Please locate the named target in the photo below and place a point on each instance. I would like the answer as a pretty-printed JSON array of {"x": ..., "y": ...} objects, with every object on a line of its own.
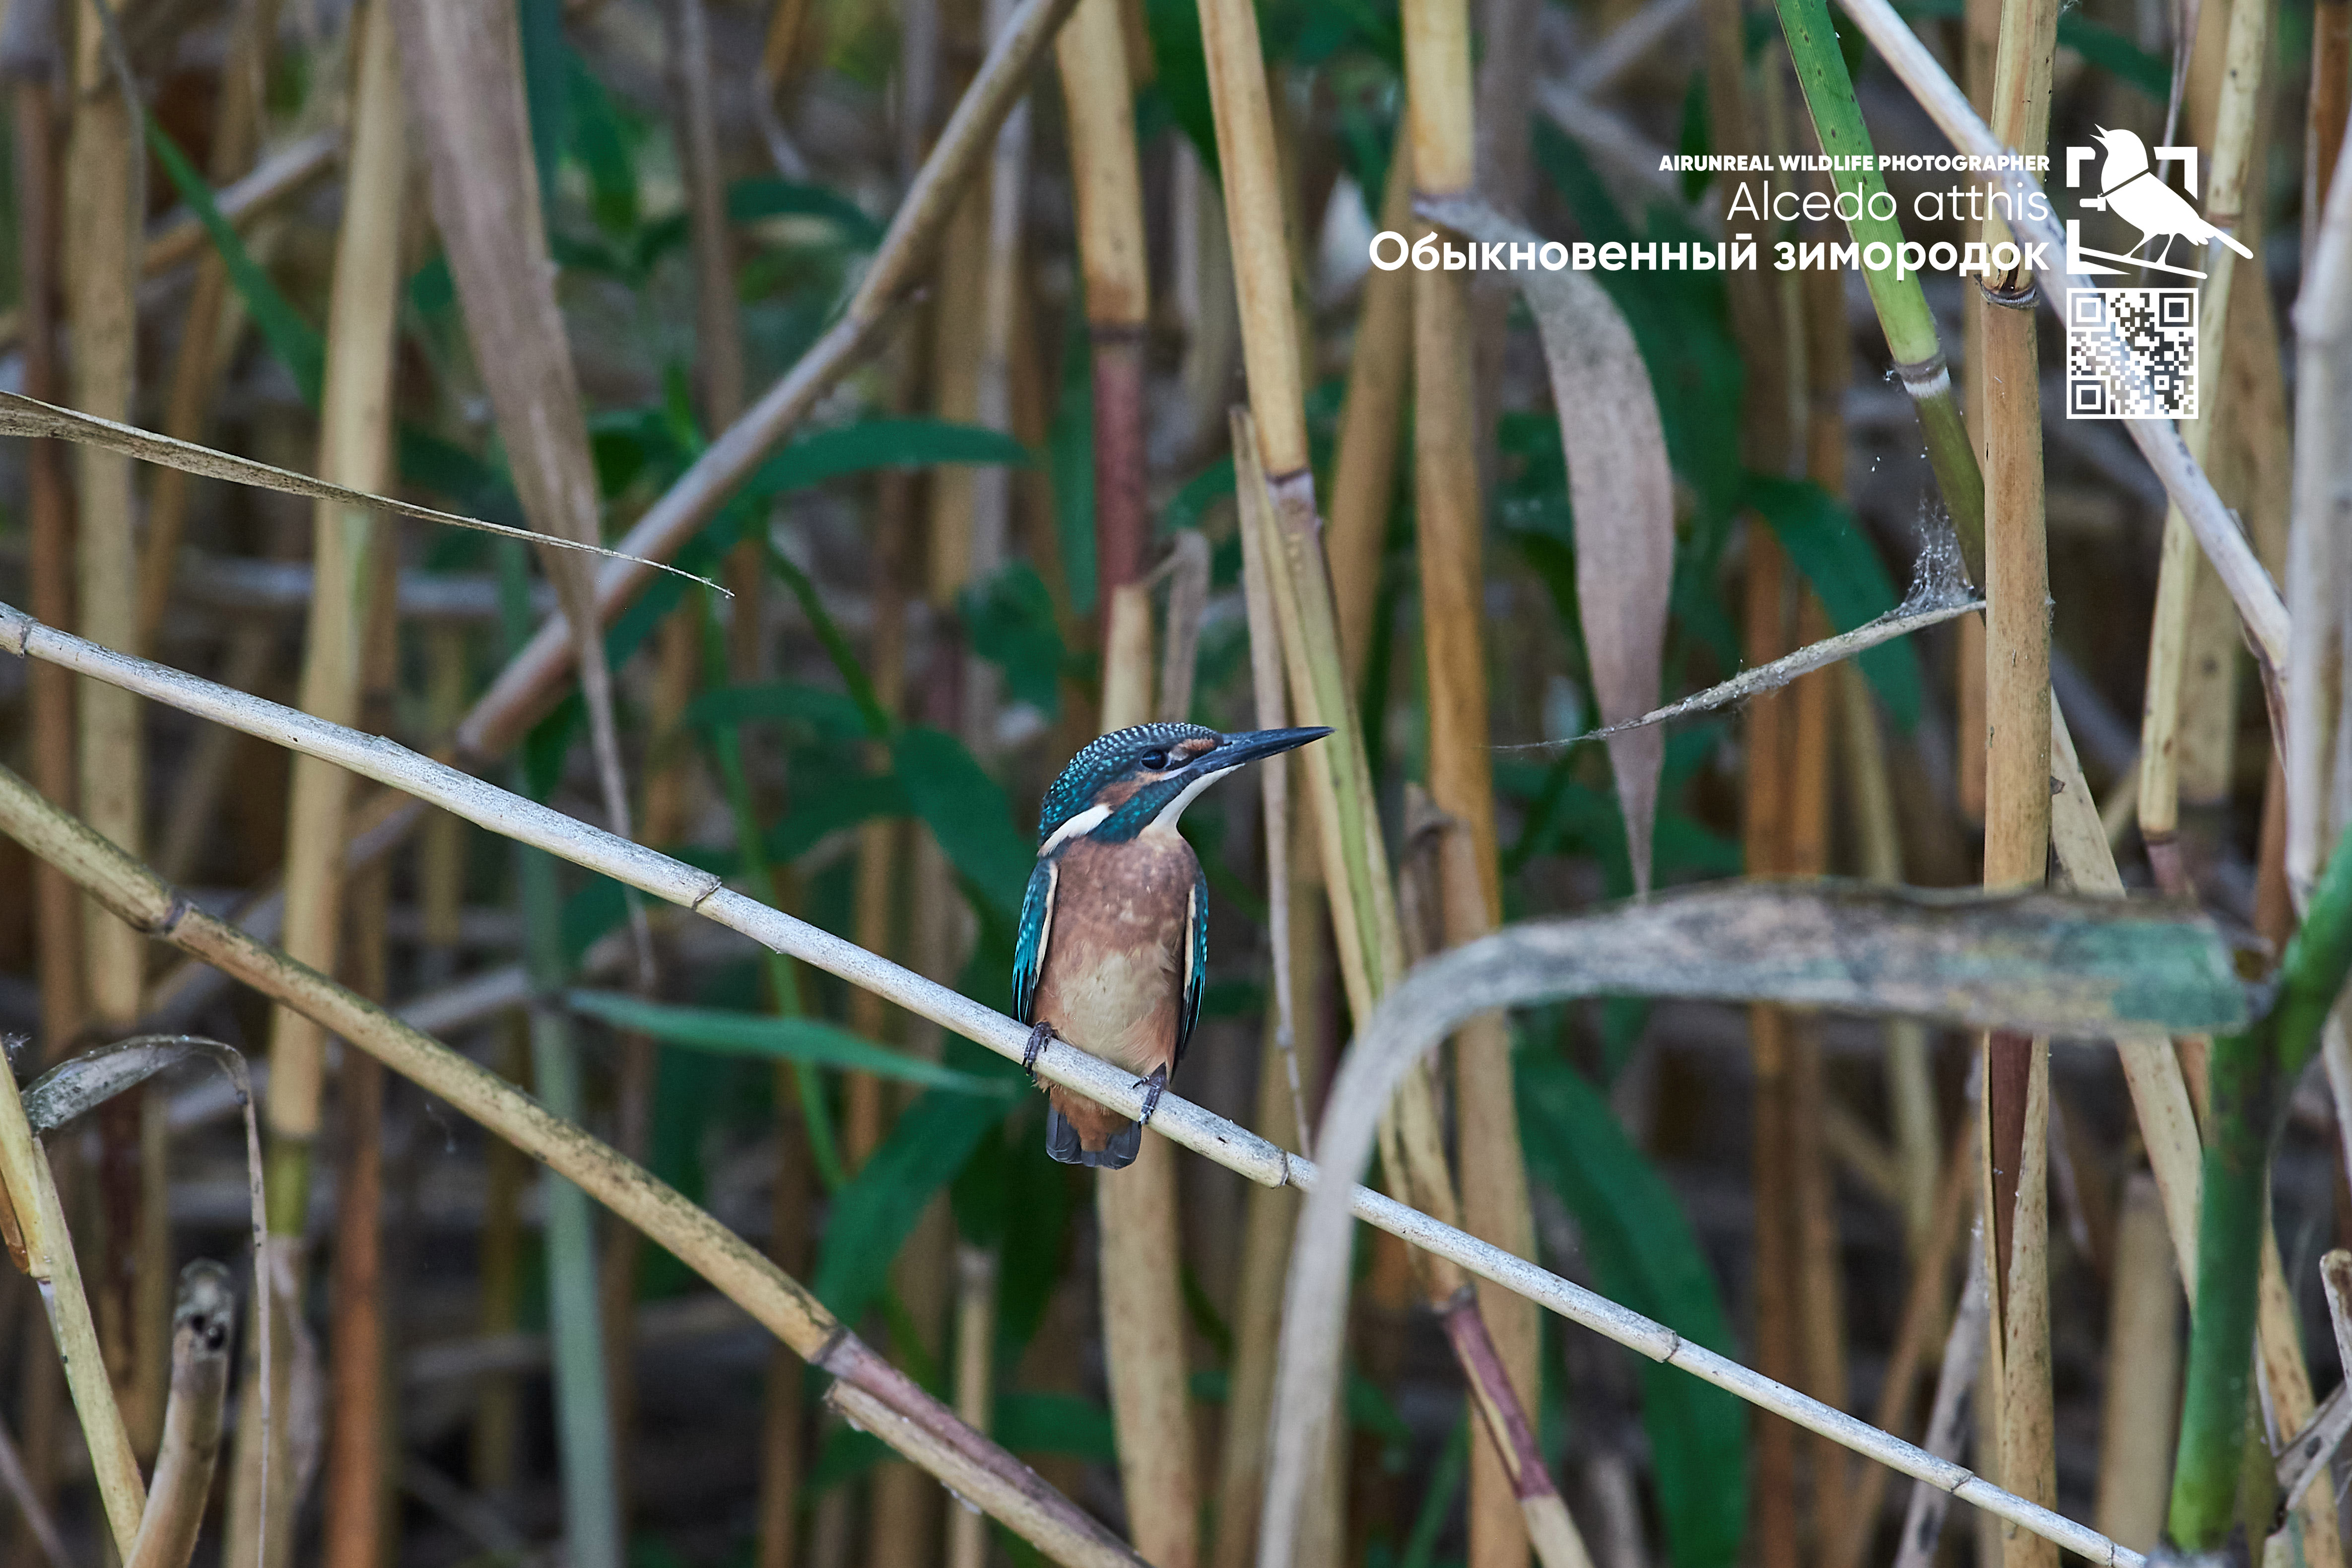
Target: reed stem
[{"x": 201, "y": 1323}]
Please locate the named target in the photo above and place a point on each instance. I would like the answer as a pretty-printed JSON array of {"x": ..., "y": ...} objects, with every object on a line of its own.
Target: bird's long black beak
[{"x": 1251, "y": 744}]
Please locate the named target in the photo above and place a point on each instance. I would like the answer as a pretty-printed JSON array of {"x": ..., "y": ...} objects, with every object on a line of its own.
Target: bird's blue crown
[{"x": 1106, "y": 759}]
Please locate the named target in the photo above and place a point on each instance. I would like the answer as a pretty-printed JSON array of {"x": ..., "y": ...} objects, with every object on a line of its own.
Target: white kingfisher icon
[{"x": 2130, "y": 189}]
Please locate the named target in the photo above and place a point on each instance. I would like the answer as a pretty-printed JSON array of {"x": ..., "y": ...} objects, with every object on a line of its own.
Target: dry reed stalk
[
  {"x": 101, "y": 233},
  {"x": 201, "y": 1323},
  {"x": 202, "y": 353},
  {"x": 1923, "y": 1319},
  {"x": 1000, "y": 287},
  {"x": 975, "y": 1349},
  {"x": 57, "y": 928},
  {"x": 353, "y": 1483},
  {"x": 2159, "y": 778},
  {"x": 354, "y": 451},
  {"x": 1138, "y": 1240},
  {"x": 2017, "y": 799},
  {"x": 1099, "y": 103},
  {"x": 1910, "y": 1079},
  {"x": 1252, "y": 167},
  {"x": 1863, "y": 920},
  {"x": 1765, "y": 829},
  {"x": 2143, "y": 1381},
  {"x": 28, "y": 1188},
  {"x": 2323, "y": 326},
  {"x": 781, "y": 1414},
  {"x": 1363, "y": 471},
  {"x": 1460, "y": 778}
]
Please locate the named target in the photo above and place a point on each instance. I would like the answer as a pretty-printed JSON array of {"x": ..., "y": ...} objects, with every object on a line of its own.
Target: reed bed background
[{"x": 617, "y": 956}]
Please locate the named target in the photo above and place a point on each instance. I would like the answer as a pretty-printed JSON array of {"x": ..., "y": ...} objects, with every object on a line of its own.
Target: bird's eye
[{"x": 1155, "y": 761}]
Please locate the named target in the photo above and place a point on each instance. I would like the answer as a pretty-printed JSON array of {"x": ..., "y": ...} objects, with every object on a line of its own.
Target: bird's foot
[
  {"x": 1152, "y": 1089},
  {"x": 1039, "y": 1034}
]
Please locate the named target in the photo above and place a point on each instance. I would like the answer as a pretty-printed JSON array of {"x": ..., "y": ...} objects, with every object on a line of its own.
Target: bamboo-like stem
[
  {"x": 1092, "y": 56},
  {"x": 1461, "y": 780},
  {"x": 354, "y": 451},
  {"x": 975, "y": 1341},
  {"x": 354, "y": 1485},
  {"x": 1253, "y": 185},
  {"x": 1901, "y": 305},
  {"x": 2017, "y": 799},
  {"x": 1363, "y": 471},
  {"x": 2143, "y": 1381},
  {"x": 1143, "y": 1310},
  {"x": 2159, "y": 775},
  {"x": 32, "y": 1192},
  {"x": 57, "y": 932},
  {"x": 137, "y": 896},
  {"x": 201, "y": 1322},
  {"x": 102, "y": 232},
  {"x": 202, "y": 356}
]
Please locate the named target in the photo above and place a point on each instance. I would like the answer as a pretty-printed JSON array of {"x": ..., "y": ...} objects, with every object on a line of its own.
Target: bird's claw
[
  {"x": 1152, "y": 1088},
  {"x": 1038, "y": 1035}
]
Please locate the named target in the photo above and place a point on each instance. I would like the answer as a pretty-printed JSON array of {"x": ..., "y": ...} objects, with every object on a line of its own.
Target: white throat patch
[
  {"x": 1079, "y": 826},
  {"x": 1166, "y": 821}
]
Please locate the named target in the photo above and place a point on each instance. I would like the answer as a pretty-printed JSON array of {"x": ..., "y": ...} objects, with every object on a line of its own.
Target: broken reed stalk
[
  {"x": 1104, "y": 178},
  {"x": 987, "y": 1475},
  {"x": 534, "y": 679},
  {"x": 1144, "y": 1327},
  {"x": 1450, "y": 529},
  {"x": 197, "y": 365},
  {"x": 2251, "y": 1069},
  {"x": 48, "y": 506},
  {"x": 139, "y": 897},
  {"x": 976, "y": 1351},
  {"x": 31, "y": 1192},
  {"x": 2168, "y": 634},
  {"x": 2015, "y": 1145},
  {"x": 2143, "y": 1377},
  {"x": 201, "y": 1322},
  {"x": 1363, "y": 470},
  {"x": 101, "y": 235}
]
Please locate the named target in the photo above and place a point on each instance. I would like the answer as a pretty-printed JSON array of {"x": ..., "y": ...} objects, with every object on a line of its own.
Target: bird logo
[{"x": 2130, "y": 187}]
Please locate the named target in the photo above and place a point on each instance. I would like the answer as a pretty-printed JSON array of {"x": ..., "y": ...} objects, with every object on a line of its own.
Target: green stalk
[
  {"x": 1901, "y": 304},
  {"x": 2250, "y": 1071},
  {"x": 591, "y": 1523}
]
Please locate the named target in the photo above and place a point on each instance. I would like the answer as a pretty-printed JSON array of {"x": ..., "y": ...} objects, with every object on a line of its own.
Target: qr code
[{"x": 2131, "y": 354}]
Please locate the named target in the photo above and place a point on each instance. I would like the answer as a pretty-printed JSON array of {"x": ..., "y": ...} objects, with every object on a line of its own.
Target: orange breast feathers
[{"x": 1112, "y": 979}]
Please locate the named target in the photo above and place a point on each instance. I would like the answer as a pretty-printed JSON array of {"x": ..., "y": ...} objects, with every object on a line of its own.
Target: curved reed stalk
[
  {"x": 192, "y": 1419},
  {"x": 2025, "y": 989}
]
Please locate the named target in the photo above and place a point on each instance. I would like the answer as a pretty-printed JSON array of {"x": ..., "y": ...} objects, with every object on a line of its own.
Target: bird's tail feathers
[{"x": 1062, "y": 1141}]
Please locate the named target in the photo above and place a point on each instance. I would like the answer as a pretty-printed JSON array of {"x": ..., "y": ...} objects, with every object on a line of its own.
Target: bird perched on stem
[
  {"x": 1114, "y": 938},
  {"x": 2129, "y": 188}
]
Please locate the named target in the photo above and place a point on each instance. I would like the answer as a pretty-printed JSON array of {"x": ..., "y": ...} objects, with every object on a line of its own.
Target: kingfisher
[{"x": 1114, "y": 940}]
